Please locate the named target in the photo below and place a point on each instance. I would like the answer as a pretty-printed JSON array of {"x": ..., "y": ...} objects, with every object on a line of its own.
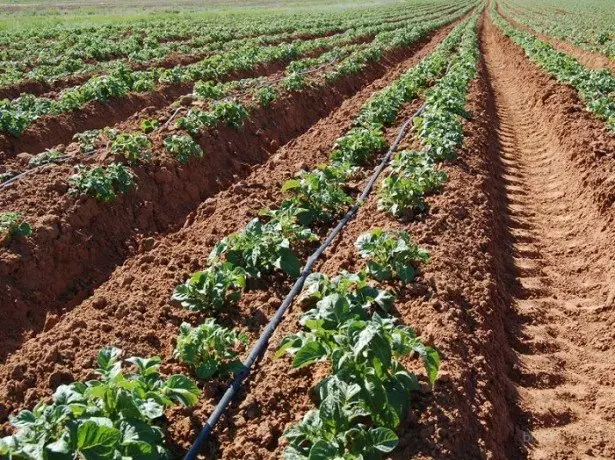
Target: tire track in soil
[
  {"x": 132, "y": 308},
  {"x": 560, "y": 275}
]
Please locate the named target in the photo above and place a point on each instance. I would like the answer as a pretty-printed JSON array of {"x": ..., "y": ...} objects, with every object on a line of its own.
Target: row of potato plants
[
  {"x": 107, "y": 181},
  {"x": 574, "y": 22},
  {"x": 113, "y": 416},
  {"x": 368, "y": 391},
  {"x": 234, "y": 112},
  {"x": 73, "y": 54},
  {"x": 315, "y": 197},
  {"x": 18, "y": 114},
  {"x": 596, "y": 87},
  {"x": 223, "y": 108},
  {"x": 46, "y": 65}
]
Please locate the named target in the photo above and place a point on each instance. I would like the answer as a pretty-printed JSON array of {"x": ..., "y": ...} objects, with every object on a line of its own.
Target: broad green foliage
[
  {"x": 46, "y": 157},
  {"x": 259, "y": 249},
  {"x": 231, "y": 112},
  {"x": 209, "y": 90},
  {"x": 369, "y": 392},
  {"x": 361, "y": 295},
  {"x": 390, "y": 255},
  {"x": 12, "y": 225},
  {"x": 413, "y": 174},
  {"x": 357, "y": 146},
  {"x": 335, "y": 430},
  {"x": 226, "y": 57},
  {"x": 108, "y": 418},
  {"x": 134, "y": 146},
  {"x": 218, "y": 285},
  {"x": 148, "y": 126},
  {"x": 588, "y": 24},
  {"x": 401, "y": 195},
  {"x": 210, "y": 349},
  {"x": 265, "y": 95},
  {"x": 102, "y": 182},
  {"x": 87, "y": 140},
  {"x": 182, "y": 147},
  {"x": 319, "y": 194}
]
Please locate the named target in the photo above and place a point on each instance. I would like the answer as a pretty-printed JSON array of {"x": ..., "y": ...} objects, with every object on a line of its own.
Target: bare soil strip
[
  {"x": 132, "y": 309},
  {"x": 557, "y": 251}
]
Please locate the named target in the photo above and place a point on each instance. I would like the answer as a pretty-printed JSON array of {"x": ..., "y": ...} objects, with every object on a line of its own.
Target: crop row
[
  {"x": 368, "y": 391},
  {"x": 596, "y": 87},
  {"x": 114, "y": 415},
  {"x": 590, "y": 29},
  {"x": 20, "y": 113},
  {"x": 221, "y": 100},
  {"x": 94, "y": 52}
]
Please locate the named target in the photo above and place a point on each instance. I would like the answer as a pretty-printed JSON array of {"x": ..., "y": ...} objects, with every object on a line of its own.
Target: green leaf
[
  {"x": 431, "y": 360},
  {"x": 383, "y": 439},
  {"x": 150, "y": 409},
  {"x": 291, "y": 184},
  {"x": 309, "y": 353},
  {"x": 322, "y": 450},
  {"x": 96, "y": 441},
  {"x": 108, "y": 356},
  {"x": 182, "y": 389},
  {"x": 289, "y": 263},
  {"x": 206, "y": 369},
  {"x": 406, "y": 273}
]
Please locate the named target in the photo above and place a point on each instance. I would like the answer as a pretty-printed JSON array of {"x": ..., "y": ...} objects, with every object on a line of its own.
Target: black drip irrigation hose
[{"x": 261, "y": 345}]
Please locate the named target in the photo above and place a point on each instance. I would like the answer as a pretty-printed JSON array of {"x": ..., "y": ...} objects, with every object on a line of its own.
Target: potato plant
[
  {"x": 102, "y": 182},
  {"x": 13, "y": 225},
  {"x": 107, "y": 418},
  {"x": 390, "y": 255},
  {"x": 210, "y": 349}
]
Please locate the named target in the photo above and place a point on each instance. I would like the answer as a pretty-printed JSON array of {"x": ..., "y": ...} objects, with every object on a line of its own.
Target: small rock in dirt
[
  {"x": 147, "y": 244},
  {"x": 127, "y": 281},
  {"x": 24, "y": 158},
  {"x": 186, "y": 100},
  {"x": 99, "y": 303},
  {"x": 50, "y": 321},
  {"x": 58, "y": 378},
  {"x": 17, "y": 372}
]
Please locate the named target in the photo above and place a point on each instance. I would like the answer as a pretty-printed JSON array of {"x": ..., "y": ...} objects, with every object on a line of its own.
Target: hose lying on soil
[{"x": 261, "y": 345}]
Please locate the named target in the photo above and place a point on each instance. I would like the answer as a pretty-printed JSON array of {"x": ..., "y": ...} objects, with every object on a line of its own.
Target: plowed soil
[
  {"x": 518, "y": 295},
  {"x": 81, "y": 241},
  {"x": 132, "y": 308}
]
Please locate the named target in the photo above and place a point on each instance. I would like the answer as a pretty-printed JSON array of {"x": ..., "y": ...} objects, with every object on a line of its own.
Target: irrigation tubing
[{"x": 261, "y": 345}]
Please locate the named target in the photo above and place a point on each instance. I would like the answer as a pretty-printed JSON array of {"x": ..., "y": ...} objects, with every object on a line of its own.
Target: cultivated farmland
[{"x": 307, "y": 231}]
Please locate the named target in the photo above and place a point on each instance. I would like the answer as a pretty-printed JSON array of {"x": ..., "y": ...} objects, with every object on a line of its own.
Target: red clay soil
[
  {"x": 518, "y": 296},
  {"x": 51, "y": 130},
  {"x": 491, "y": 297},
  {"x": 590, "y": 59},
  {"x": 78, "y": 242},
  {"x": 132, "y": 308},
  {"x": 557, "y": 250},
  {"x": 451, "y": 304}
]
